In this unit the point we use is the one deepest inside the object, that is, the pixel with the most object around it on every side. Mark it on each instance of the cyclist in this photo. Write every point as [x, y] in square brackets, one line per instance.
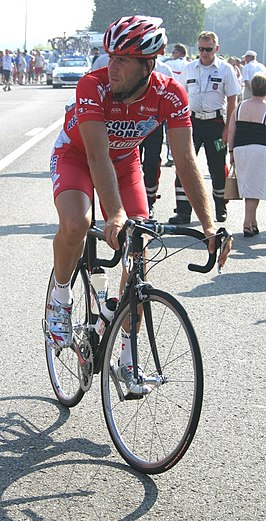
[116, 108]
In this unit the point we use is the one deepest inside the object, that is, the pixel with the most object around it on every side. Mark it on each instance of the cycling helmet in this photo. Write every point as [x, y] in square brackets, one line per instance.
[136, 36]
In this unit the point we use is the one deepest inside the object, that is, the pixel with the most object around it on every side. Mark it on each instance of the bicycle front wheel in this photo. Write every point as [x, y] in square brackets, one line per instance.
[63, 364]
[153, 433]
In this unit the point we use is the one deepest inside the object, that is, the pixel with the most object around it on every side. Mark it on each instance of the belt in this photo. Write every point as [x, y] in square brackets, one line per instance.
[207, 115]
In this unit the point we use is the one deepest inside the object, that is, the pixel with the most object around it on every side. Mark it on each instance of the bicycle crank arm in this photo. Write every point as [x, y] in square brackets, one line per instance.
[118, 387]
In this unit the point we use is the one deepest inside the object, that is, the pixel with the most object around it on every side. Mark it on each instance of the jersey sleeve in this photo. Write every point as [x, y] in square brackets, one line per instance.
[178, 113]
[89, 99]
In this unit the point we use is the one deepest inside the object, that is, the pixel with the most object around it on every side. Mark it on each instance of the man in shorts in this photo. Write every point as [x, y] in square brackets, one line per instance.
[116, 108]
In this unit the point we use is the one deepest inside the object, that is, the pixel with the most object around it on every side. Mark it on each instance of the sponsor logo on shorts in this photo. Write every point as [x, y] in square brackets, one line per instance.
[53, 169]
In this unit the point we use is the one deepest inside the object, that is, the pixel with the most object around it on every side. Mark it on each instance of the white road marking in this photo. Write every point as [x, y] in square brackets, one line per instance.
[34, 131]
[29, 144]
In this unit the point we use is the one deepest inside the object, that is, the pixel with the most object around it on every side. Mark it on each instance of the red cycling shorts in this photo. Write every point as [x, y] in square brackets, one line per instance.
[70, 171]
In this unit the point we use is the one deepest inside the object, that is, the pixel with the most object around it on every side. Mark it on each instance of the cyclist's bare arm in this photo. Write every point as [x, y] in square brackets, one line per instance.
[103, 175]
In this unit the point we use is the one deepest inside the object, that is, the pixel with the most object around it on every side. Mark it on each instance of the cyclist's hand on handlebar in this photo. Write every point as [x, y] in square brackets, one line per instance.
[112, 228]
[210, 233]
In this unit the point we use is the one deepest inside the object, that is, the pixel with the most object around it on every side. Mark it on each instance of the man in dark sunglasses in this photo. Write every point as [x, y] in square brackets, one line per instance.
[212, 88]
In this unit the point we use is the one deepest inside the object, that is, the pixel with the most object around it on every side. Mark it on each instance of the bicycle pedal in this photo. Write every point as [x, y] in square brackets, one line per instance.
[133, 396]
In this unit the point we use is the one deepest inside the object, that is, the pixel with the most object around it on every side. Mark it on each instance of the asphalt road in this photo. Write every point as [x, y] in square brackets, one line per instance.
[60, 464]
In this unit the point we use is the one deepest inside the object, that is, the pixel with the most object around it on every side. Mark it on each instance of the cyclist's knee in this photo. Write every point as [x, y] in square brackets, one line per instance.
[74, 229]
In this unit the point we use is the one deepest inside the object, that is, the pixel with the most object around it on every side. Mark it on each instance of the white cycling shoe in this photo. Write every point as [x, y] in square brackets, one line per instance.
[125, 375]
[59, 323]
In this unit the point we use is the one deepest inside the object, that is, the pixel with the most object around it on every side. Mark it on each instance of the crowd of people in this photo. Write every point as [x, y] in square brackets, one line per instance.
[21, 67]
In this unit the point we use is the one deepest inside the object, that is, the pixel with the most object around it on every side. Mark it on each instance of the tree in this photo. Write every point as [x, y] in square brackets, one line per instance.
[182, 20]
[239, 26]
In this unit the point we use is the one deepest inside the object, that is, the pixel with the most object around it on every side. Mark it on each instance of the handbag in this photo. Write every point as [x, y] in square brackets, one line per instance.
[231, 186]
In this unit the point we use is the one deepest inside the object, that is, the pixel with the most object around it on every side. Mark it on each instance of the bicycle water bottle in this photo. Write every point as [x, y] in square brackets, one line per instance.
[100, 283]
[107, 312]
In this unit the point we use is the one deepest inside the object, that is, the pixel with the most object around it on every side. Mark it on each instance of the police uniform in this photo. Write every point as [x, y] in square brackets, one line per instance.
[208, 88]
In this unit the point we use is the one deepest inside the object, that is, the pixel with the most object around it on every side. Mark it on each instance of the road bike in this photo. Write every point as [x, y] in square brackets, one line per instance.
[152, 432]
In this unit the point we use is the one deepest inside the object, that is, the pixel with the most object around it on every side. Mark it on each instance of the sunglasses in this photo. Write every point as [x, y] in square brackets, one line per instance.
[207, 49]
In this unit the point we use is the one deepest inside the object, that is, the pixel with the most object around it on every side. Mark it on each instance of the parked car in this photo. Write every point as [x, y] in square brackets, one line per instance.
[69, 70]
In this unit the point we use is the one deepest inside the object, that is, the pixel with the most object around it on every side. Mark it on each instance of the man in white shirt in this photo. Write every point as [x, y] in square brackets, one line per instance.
[179, 60]
[101, 61]
[250, 68]
[177, 65]
[212, 88]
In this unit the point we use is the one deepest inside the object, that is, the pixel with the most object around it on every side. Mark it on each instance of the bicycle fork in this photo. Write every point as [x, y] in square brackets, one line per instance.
[158, 378]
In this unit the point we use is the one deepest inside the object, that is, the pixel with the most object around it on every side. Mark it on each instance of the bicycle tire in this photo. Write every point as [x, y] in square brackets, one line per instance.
[153, 433]
[63, 364]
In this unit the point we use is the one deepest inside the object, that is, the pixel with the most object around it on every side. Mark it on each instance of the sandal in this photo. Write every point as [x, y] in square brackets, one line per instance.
[248, 232]
[255, 229]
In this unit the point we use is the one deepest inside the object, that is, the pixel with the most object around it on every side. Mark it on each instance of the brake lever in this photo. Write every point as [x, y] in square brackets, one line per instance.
[224, 240]
[221, 240]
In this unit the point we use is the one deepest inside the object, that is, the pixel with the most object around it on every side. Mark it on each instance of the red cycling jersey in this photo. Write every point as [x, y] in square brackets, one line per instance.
[127, 126]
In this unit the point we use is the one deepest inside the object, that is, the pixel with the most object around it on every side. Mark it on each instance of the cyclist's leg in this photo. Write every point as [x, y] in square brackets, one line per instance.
[74, 211]
[134, 198]
[133, 194]
[73, 193]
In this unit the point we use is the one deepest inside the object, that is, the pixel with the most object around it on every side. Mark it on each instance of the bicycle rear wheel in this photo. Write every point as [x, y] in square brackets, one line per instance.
[63, 363]
[153, 433]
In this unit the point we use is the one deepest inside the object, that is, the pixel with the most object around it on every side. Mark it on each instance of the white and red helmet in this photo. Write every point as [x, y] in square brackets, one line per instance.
[135, 36]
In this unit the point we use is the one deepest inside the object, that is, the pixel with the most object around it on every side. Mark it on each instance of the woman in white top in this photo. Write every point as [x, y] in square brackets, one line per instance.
[247, 147]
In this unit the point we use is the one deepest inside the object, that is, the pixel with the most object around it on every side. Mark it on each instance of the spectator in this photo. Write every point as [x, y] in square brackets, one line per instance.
[237, 70]
[32, 69]
[179, 60]
[101, 61]
[39, 62]
[1, 67]
[22, 69]
[212, 88]
[7, 69]
[150, 151]
[28, 59]
[239, 64]
[232, 62]
[16, 67]
[247, 147]
[177, 65]
[95, 53]
[250, 68]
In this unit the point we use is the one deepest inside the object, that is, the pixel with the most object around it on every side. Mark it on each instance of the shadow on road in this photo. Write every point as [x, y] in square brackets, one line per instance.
[28, 175]
[228, 284]
[27, 446]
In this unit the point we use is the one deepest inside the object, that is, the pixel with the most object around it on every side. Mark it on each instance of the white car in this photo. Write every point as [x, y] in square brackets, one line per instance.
[69, 70]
